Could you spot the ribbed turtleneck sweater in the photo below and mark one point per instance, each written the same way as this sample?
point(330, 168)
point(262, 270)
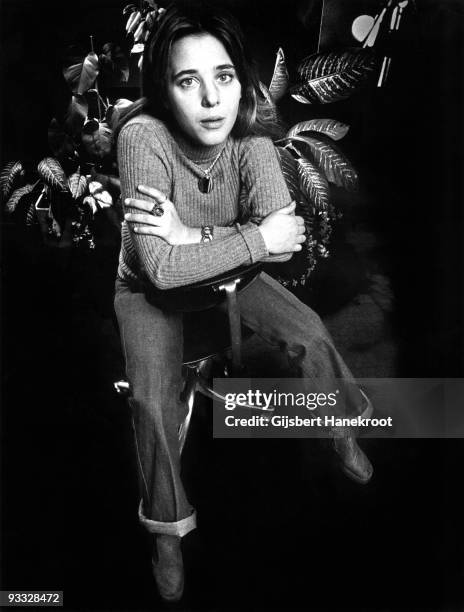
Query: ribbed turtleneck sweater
point(248, 185)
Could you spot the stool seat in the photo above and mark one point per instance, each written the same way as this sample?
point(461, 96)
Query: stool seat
point(203, 294)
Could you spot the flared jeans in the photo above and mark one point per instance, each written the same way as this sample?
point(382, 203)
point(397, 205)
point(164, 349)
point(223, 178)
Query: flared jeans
point(152, 341)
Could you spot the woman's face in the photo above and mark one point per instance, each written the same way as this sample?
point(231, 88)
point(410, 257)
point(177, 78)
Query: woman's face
point(203, 89)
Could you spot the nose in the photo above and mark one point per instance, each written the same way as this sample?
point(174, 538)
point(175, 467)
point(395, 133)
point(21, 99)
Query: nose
point(210, 94)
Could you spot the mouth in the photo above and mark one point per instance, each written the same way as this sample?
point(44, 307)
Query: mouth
point(212, 123)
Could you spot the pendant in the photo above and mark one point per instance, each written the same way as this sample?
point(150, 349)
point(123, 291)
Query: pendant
point(205, 184)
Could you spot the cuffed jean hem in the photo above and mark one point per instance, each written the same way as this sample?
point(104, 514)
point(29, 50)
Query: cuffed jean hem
point(177, 528)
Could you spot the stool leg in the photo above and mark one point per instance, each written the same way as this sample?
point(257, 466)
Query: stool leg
point(233, 311)
point(188, 396)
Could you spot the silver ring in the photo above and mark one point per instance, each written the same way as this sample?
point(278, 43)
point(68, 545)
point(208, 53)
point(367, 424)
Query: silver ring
point(157, 210)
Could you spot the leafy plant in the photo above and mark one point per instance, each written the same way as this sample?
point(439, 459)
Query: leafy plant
point(310, 158)
point(82, 169)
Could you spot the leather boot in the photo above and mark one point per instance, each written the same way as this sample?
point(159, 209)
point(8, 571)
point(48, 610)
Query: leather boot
point(354, 462)
point(168, 567)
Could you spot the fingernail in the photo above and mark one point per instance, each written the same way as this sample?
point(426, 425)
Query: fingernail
point(127, 201)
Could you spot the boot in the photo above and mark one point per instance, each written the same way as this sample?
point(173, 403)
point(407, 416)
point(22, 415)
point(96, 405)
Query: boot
point(168, 567)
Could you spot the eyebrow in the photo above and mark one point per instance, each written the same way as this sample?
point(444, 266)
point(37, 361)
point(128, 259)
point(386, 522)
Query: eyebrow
point(192, 71)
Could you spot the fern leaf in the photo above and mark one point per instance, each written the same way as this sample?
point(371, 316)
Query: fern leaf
point(15, 197)
point(11, 174)
point(303, 94)
point(329, 77)
point(330, 161)
point(331, 127)
point(77, 184)
point(337, 168)
point(313, 184)
point(290, 172)
point(53, 174)
point(280, 78)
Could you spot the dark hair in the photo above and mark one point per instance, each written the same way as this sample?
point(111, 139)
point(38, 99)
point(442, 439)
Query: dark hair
point(183, 18)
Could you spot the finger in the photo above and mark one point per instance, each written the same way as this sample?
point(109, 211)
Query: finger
point(158, 195)
point(297, 248)
point(301, 238)
point(142, 205)
point(145, 219)
point(289, 209)
point(148, 230)
point(299, 220)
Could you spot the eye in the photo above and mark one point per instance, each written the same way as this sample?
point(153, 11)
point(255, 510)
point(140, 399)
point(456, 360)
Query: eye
point(225, 77)
point(187, 82)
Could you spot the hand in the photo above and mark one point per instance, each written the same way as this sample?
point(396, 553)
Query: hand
point(167, 226)
point(282, 231)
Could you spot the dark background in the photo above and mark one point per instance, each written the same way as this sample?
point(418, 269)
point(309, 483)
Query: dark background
point(273, 532)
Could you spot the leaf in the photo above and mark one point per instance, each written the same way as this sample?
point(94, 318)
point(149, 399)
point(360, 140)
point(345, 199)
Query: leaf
point(77, 184)
point(329, 77)
point(98, 142)
point(139, 34)
point(102, 197)
point(290, 172)
point(150, 20)
point(133, 21)
point(94, 104)
point(11, 204)
point(114, 63)
point(330, 160)
point(331, 127)
point(280, 78)
point(76, 114)
point(52, 173)
point(113, 112)
point(81, 76)
point(301, 94)
point(333, 163)
point(137, 48)
point(91, 203)
point(128, 9)
point(11, 174)
point(313, 184)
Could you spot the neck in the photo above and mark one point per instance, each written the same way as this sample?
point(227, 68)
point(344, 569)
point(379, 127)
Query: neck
point(198, 153)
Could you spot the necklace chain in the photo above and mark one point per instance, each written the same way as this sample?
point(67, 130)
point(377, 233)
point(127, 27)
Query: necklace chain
point(205, 183)
point(208, 170)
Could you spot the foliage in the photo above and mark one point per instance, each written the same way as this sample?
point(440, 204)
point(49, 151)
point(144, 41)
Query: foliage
point(64, 186)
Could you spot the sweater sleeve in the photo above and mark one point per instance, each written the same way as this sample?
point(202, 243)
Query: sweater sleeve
point(143, 161)
point(265, 184)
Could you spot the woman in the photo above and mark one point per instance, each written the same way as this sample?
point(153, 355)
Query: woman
point(194, 144)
